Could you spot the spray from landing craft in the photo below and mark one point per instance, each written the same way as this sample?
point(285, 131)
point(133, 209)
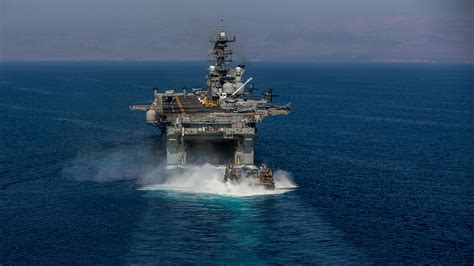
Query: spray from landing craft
point(139, 163)
point(209, 179)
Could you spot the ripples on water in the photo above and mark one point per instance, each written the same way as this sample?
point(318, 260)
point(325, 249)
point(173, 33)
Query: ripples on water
point(380, 160)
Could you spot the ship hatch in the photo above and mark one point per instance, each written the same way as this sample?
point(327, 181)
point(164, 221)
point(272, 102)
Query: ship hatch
point(213, 152)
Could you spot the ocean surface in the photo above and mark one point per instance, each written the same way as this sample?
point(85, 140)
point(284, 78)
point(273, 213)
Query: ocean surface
point(381, 157)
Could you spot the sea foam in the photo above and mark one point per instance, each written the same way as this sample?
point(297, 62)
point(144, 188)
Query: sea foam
point(209, 179)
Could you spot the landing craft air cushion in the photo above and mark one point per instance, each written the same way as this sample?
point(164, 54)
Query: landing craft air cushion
point(219, 118)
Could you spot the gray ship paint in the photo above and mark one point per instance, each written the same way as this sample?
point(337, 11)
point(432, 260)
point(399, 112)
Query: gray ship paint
point(215, 124)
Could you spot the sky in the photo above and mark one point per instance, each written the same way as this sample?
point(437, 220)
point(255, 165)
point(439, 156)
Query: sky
point(266, 30)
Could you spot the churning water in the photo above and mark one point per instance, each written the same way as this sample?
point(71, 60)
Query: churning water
point(209, 179)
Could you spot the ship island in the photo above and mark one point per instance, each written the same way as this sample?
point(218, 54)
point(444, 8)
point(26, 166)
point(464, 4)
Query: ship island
point(216, 123)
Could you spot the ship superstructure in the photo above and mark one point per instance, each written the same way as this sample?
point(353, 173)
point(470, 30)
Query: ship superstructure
point(215, 124)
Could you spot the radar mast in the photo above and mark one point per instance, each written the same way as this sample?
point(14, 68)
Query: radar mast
point(221, 57)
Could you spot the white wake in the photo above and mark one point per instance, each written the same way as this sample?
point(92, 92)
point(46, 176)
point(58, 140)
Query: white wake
point(209, 179)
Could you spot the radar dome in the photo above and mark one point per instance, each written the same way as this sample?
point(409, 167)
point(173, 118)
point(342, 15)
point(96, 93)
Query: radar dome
point(150, 116)
point(228, 88)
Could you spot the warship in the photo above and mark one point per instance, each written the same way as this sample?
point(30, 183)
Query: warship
point(217, 123)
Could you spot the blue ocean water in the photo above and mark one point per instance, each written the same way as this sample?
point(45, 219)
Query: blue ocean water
point(382, 155)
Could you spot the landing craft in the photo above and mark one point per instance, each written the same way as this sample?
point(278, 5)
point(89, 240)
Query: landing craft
point(220, 116)
point(262, 176)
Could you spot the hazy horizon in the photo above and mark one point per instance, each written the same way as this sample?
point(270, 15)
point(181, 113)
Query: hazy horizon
point(320, 31)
